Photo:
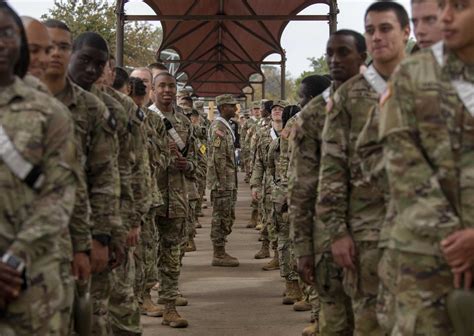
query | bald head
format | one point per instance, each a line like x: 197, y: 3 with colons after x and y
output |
x: 39, y: 44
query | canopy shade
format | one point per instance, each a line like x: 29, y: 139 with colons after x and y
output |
x: 221, y: 43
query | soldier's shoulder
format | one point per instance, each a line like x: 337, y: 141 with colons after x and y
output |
x: 421, y: 66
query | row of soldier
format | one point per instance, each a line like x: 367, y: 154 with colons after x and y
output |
x: 103, y: 178
x: 372, y: 177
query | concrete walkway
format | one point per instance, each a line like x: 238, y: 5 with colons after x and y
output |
x: 231, y: 301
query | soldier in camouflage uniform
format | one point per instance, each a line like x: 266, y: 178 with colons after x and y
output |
x: 111, y: 242
x: 351, y: 207
x: 203, y: 127
x: 171, y: 217
x: 247, y: 153
x: 146, y: 253
x: 39, y: 179
x: 260, y: 184
x: 425, y: 128
x: 222, y: 179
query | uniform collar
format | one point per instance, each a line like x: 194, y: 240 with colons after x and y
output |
x: 68, y: 96
x: 457, y: 69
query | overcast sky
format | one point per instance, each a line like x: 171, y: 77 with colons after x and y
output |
x: 301, y: 39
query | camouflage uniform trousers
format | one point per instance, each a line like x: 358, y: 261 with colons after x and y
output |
x: 336, y: 317
x: 171, y: 232
x: 266, y: 209
x: 362, y: 286
x: 36, y: 311
x: 285, y: 249
x: 223, y: 215
x: 201, y: 191
x: 190, y: 230
x: 68, y: 283
x: 419, y: 292
x: 124, y: 314
x: 146, y: 254
x: 100, y: 294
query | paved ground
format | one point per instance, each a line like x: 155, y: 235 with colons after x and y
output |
x: 231, y: 301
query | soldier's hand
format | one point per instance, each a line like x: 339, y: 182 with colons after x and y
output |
x: 181, y: 163
x: 119, y: 253
x: 343, y: 251
x: 466, y: 276
x: 99, y: 257
x: 10, y: 282
x: 173, y: 147
x: 458, y: 249
x: 81, y: 267
x: 255, y: 195
x: 133, y: 236
x: 305, y: 268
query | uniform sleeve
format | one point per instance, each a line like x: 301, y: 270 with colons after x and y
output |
x: 302, y: 189
x: 51, y: 210
x: 218, y: 158
x: 102, y: 169
x: 258, y: 170
x: 415, y: 188
x: 333, y: 201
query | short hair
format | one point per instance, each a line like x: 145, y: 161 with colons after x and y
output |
x: 21, y: 67
x: 90, y: 39
x: 157, y: 65
x: 121, y: 78
x: 315, y: 85
x: 53, y: 23
x: 137, y: 87
x: 144, y: 69
x: 385, y: 6
x: 358, y: 37
x: 267, y: 106
x: 195, y: 113
x: 164, y: 73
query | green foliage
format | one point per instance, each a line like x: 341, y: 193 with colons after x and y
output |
x: 273, y: 84
x: 141, y: 39
x: 318, y: 66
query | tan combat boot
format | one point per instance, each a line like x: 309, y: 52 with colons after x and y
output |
x: 302, y: 305
x: 148, y: 308
x: 191, y: 246
x: 273, y: 264
x: 172, y: 318
x: 293, y: 293
x: 264, y: 251
x: 253, y: 220
x: 181, y: 301
x: 310, y: 330
x: 222, y: 259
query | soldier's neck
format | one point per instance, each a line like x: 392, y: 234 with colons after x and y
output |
x: 277, y: 125
x: 466, y: 55
x: 385, y: 69
x: 55, y: 84
x: 164, y: 108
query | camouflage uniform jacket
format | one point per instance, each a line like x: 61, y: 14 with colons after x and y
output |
x: 96, y: 138
x: 307, y: 231
x: 140, y: 180
x: 286, y: 149
x: 274, y: 171
x: 347, y: 203
x: 428, y: 147
x: 32, y: 220
x: 221, y: 165
x: 158, y: 153
x: 127, y: 213
x: 248, y: 124
x: 171, y: 182
x: 260, y: 180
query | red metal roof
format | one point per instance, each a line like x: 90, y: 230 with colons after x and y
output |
x: 221, y: 43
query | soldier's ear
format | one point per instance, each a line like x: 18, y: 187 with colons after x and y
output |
x: 363, y: 57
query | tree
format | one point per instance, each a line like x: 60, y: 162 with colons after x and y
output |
x: 273, y: 84
x: 318, y: 66
x: 141, y: 39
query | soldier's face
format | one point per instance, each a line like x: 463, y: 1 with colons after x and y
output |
x: 165, y: 90
x: 384, y: 36
x: 87, y: 65
x: 106, y: 77
x: 256, y: 112
x: 456, y: 18
x: 9, y: 47
x: 39, y: 44
x: 147, y: 79
x: 60, y: 54
x: 277, y: 113
x: 228, y: 111
x: 425, y: 23
x: 343, y: 58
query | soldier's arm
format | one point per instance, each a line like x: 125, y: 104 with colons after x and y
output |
x: 256, y: 180
x: 160, y: 142
x: 218, y: 158
x: 303, y: 186
x: 52, y: 207
x: 102, y: 168
x: 333, y: 189
x: 414, y: 182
